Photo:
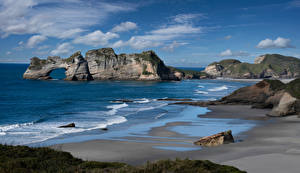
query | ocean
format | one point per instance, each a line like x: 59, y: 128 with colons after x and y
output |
x: 31, y: 111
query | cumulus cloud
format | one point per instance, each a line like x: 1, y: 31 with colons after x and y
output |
x: 35, y: 40
x: 55, y: 18
x: 125, y: 26
x: 228, y: 53
x: 159, y: 36
x: 96, y: 38
x: 172, y: 46
x: 278, y: 43
x: 62, y: 49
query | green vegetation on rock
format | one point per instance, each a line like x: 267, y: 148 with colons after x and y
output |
x: 37, y: 63
x: 227, y: 62
x: 293, y: 88
x: 275, y: 85
x: 151, y: 57
x: 36, y: 160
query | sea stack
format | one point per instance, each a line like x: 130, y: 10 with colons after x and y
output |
x: 104, y: 64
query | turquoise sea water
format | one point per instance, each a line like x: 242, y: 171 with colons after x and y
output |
x: 31, y: 111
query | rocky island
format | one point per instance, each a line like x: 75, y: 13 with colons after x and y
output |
x: 105, y: 64
x: 265, y: 66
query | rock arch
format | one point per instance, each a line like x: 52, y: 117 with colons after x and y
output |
x: 76, y: 67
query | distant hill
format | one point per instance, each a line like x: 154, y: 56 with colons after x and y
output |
x: 265, y: 66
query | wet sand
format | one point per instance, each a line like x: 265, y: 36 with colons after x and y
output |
x: 272, y: 146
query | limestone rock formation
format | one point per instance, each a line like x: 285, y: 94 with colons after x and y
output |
x: 217, y: 139
x: 265, y: 66
x: 104, y: 64
x: 286, y: 106
x: 76, y: 67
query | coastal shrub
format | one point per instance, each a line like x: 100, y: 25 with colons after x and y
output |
x: 15, y: 159
x: 275, y: 85
x: 293, y: 88
x: 37, y: 63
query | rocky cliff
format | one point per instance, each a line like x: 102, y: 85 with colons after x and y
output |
x: 265, y: 66
x: 282, y: 99
x: 104, y: 64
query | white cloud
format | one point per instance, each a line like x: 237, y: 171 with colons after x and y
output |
x: 159, y: 36
x: 35, y: 40
x: 43, y: 47
x: 278, y: 43
x: 187, y: 18
x: 64, y: 48
x: 228, y: 37
x: 55, y: 18
x: 178, y: 29
x: 125, y: 26
x: 96, y: 38
x: 8, y: 53
x: 228, y: 53
x: 172, y: 46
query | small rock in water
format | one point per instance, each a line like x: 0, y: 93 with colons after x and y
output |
x: 104, y: 129
x: 67, y: 126
x: 217, y: 139
x: 122, y: 101
x: 173, y: 99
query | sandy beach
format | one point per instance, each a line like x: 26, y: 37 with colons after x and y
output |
x: 271, y: 146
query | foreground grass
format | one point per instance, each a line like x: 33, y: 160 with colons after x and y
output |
x: 15, y: 159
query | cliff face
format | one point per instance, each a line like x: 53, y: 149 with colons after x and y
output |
x: 104, y: 64
x: 265, y: 66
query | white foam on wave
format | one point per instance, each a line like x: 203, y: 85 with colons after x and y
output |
x: 143, y: 100
x: 114, y: 108
x: 200, y: 86
x: 160, y: 115
x: 151, y: 107
x: 201, y: 92
x: 5, y: 128
x: 221, y: 88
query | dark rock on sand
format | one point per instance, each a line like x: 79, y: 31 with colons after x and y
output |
x: 68, y: 125
x: 215, y: 140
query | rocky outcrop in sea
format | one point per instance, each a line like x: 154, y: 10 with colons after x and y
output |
x: 104, y: 64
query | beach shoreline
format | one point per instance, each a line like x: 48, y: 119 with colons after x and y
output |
x: 272, y: 136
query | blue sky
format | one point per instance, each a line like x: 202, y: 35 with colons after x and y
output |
x: 183, y: 33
